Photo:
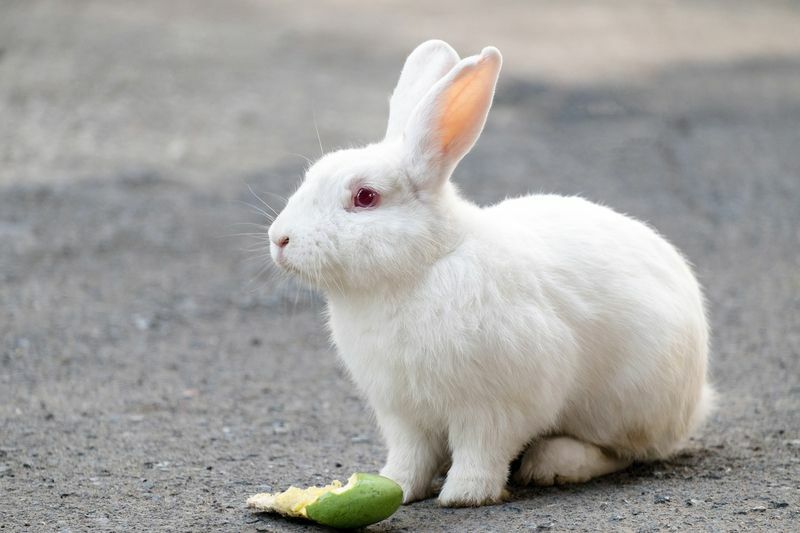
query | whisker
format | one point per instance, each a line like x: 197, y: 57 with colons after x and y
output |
x: 261, y: 200
x: 259, y: 210
x: 276, y: 277
x: 309, y: 161
x: 277, y: 196
x: 296, y: 298
x: 319, y: 139
x: 265, y: 226
x: 261, y: 271
x: 261, y: 235
x: 255, y: 249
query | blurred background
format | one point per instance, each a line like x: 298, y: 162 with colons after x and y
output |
x: 151, y: 377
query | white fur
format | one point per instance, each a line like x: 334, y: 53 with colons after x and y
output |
x: 475, y: 331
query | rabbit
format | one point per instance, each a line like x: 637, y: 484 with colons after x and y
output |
x: 544, y: 328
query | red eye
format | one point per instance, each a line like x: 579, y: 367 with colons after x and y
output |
x: 365, y: 198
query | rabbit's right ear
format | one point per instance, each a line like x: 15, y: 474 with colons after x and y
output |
x: 426, y: 65
x: 450, y: 117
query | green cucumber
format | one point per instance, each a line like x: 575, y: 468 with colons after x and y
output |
x: 365, y: 500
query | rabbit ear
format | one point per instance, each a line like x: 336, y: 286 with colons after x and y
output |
x: 426, y: 65
x: 450, y: 117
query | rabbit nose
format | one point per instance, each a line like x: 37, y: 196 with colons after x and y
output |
x: 281, y: 242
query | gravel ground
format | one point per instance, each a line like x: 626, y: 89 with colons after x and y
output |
x: 151, y: 378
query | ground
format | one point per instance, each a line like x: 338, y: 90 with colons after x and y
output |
x: 151, y: 379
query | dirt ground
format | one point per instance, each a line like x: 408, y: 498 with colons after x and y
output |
x: 151, y: 378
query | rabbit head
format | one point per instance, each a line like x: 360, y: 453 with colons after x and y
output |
x: 381, y: 213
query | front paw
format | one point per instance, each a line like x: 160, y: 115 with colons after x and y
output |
x: 472, y: 492
x: 414, y: 488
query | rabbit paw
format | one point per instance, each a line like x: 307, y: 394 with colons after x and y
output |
x: 471, y: 492
x: 562, y: 460
x: 414, y: 488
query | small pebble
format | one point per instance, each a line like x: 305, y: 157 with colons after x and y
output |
x: 661, y: 498
x: 759, y: 509
x: 279, y: 427
x: 142, y: 324
x: 692, y: 502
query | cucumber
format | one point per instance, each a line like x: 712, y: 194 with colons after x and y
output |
x: 365, y: 500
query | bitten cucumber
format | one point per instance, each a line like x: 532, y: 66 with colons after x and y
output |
x: 365, y: 499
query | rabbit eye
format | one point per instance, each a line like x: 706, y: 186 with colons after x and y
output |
x: 365, y: 197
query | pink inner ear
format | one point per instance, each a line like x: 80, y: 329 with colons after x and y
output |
x: 464, y: 106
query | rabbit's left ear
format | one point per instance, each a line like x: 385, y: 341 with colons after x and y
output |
x: 426, y: 65
x: 450, y: 117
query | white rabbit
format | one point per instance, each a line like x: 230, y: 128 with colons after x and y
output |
x: 543, y: 325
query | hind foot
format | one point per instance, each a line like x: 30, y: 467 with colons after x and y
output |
x: 561, y: 460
